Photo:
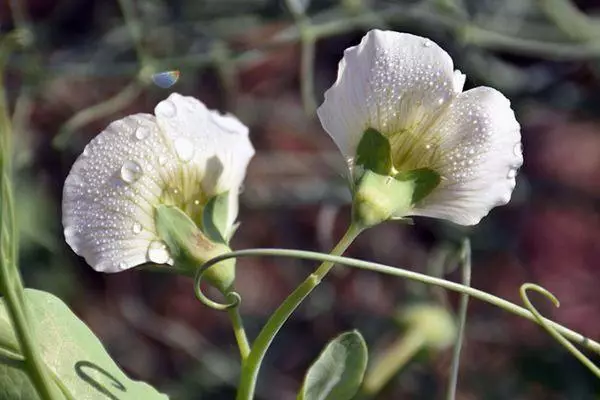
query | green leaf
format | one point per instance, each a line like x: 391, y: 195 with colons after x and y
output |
x: 424, y: 179
x: 72, y: 353
x: 215, y: 218
x: 374, y: 152
x: 338, y: 371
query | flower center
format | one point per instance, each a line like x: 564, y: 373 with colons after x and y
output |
x: 412, y: 149
x: 190, y: 199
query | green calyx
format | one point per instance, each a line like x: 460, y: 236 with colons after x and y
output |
x: 190, y: 247
x: 381, y: 192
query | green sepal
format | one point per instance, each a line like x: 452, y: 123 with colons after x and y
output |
x: 215, y: 218
x: 338, y: 371
x: 374, y: 152
x: 190, y: 247
x: 424, y: 180
x: 378, y: 198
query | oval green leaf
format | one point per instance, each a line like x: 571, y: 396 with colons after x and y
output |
x: 71, y: 351
x: 338, y: 371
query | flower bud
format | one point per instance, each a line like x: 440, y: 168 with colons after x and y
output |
x: 190, y: 247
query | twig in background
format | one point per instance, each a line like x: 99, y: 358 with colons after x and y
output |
x: 465, y: 263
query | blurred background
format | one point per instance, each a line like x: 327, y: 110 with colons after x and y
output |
x: 86, y: 63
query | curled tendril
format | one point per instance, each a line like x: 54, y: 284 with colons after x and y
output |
x: 233, y: 298
x: 567, y: 344
x: 530, y: 314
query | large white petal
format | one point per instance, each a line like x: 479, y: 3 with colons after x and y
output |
x: 390, y: 82
x: 480, y: 147
x: 216, y: 145
x: 183, y: 156
x: 110, y: 194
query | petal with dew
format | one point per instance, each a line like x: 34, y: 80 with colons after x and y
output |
x: 202, y: 137
x: 110, y: 192
x: 182, y: 157
x: 391, y: 82
x: 480, y: 153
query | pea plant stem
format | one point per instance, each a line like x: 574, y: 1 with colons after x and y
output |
x: 251, y: 366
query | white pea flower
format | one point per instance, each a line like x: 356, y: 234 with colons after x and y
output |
x: 182, y: 156
x: 405, y: 87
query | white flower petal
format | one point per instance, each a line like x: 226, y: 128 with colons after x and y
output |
x: 390, y: 82
x: 207, y: 139
x: 109, y: 194
x: 481, y: 152
x: 459, y: 81
x: 183, y: 156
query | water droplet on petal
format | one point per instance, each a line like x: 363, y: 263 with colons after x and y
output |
x: 158, y: 252
x: 184, y: 149
x: 142, y: 132
x: 131, y: 171
x: 86, y: 150
x: 162, y: 160
x: 518, y: 149
x: 137, y: 228
x: 167, y: 109
x: 69, y: 231
x: 511, y: 173
x: 197, y: 202
x: 427, y: 43
x: 122, y: 265
x: 76, y: 180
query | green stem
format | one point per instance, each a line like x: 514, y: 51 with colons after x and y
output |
x: 569, y: 19
x: 106, y: 107
x: 403, y: 273
x: 251, y: 367
x: 239, y: 332
x: 394, y: 358
x: 462, y: 319
x: 10, y: 281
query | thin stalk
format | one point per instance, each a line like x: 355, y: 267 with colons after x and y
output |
x: 251, y: 367
x: 239, y: 332
x: 10, y: 281
x: 403, y: 273
x: 462, y: 319
x: 395, y: 357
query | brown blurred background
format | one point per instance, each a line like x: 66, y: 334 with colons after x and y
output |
x: 255, y: 58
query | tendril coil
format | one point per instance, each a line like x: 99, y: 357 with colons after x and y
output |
x: 233, y: 298
x: 562, y: 335
x: 566, y: 343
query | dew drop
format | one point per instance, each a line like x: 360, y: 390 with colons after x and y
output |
x: 162, y: 160
x: 76, y: 180
x: 157, y: 252
x: 131, y: 171
x: 518, y: 149
x: 122, y: 265
x: 167, y: 109
x: 184, y: 149
x: 142, y: 132
x: 86, y: 150
x: 137, y: 228
x: 427, y: 43
x: 511, y: 173
x: 197, y: 202
x: 69, y: 231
